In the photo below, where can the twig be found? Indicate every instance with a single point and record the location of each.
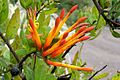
(24, 58)
(44, 5)
(101, 11)
(67, 51)
(97, 72)
(10, 48)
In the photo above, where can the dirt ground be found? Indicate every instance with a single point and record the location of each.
(104, 50)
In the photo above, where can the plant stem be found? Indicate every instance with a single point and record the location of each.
(10, 48)
(101, 11)
(97, 72)
(24, 58)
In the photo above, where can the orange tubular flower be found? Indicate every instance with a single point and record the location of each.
(64, 42)
(33, 29)
(68, 66)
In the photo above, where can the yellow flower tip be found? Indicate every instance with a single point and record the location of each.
(68, 66)
(57, 22)
(73, 8)
(85, 69)
(62, 13)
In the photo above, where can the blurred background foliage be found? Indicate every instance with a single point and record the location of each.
(40, 70)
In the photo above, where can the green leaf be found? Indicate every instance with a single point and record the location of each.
(115, 34)
(21, 52)
(41, 19)
(100, 76)
(16, 43)
(75, 59)
(42, 71)
(102, 3)
(6, 53)
(116, 77)
(43, 26)
(13, 25)
(28, 73)
(17, 77)
(95, 11)
(53, 10)
(26, 3)
(4, 62)
(7, 76)
(3, 15)
(1, 5)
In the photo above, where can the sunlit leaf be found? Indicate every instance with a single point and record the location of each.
(53, 10)
(17, 77)
(13, 25)
(101, 76)
(116, 77)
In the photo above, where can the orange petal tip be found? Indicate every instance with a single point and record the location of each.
(62, 13)
(57, 21)
(65, 35)
(84, 38)
(73, 8)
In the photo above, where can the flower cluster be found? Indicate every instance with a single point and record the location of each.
(64, 42)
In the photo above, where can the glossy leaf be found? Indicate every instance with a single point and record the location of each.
(13, 25)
